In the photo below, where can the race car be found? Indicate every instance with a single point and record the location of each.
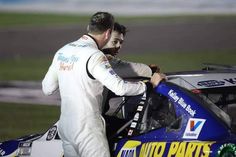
(177, 119)
(189, 121)
(46, 144)
(177, 122)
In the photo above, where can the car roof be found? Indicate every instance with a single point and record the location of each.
(204, 79)
(208, 68)
(218, 71)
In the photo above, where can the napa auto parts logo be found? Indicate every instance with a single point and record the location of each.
(193, 128)
(129, 149)
(160, 149)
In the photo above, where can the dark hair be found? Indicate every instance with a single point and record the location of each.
(120, 28)
(100, 22)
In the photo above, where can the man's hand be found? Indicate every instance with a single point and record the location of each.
(156, 79)
(154, 68)
(109, 57)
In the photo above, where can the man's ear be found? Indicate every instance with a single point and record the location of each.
(108, 34)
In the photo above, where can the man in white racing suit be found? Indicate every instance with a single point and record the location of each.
(80, 70)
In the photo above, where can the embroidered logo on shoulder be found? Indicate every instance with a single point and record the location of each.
(103, 59)
(104, 62)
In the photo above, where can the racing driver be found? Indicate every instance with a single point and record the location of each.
(125, 69)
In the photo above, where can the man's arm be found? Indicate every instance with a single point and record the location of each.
(101, 69)
(127, 69)
(50, 81)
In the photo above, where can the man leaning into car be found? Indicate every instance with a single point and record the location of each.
(80, 70)
(125, 69)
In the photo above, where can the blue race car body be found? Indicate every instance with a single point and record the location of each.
(190, 126)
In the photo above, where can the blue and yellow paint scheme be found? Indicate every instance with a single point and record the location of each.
(202, 129)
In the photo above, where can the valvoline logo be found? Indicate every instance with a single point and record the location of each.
(193, 128)
(194, 125)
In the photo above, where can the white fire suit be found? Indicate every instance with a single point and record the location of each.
(80, 70)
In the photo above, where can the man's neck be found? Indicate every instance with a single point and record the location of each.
(98, 39)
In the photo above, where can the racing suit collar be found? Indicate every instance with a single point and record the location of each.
(93, 40)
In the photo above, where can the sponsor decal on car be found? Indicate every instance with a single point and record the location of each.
(181, 102)
(159, 149)
(129, 149)
(24, 149)
(133, 125)
(217, 83)
(140, 108)
(51, 133)
(2, 152)
(8, 148)
(138, 116)
(211, 83)
(228, 149)
(231, 80)
(193, 128)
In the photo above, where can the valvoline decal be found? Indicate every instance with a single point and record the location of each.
(194, 127)
(160, 149)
